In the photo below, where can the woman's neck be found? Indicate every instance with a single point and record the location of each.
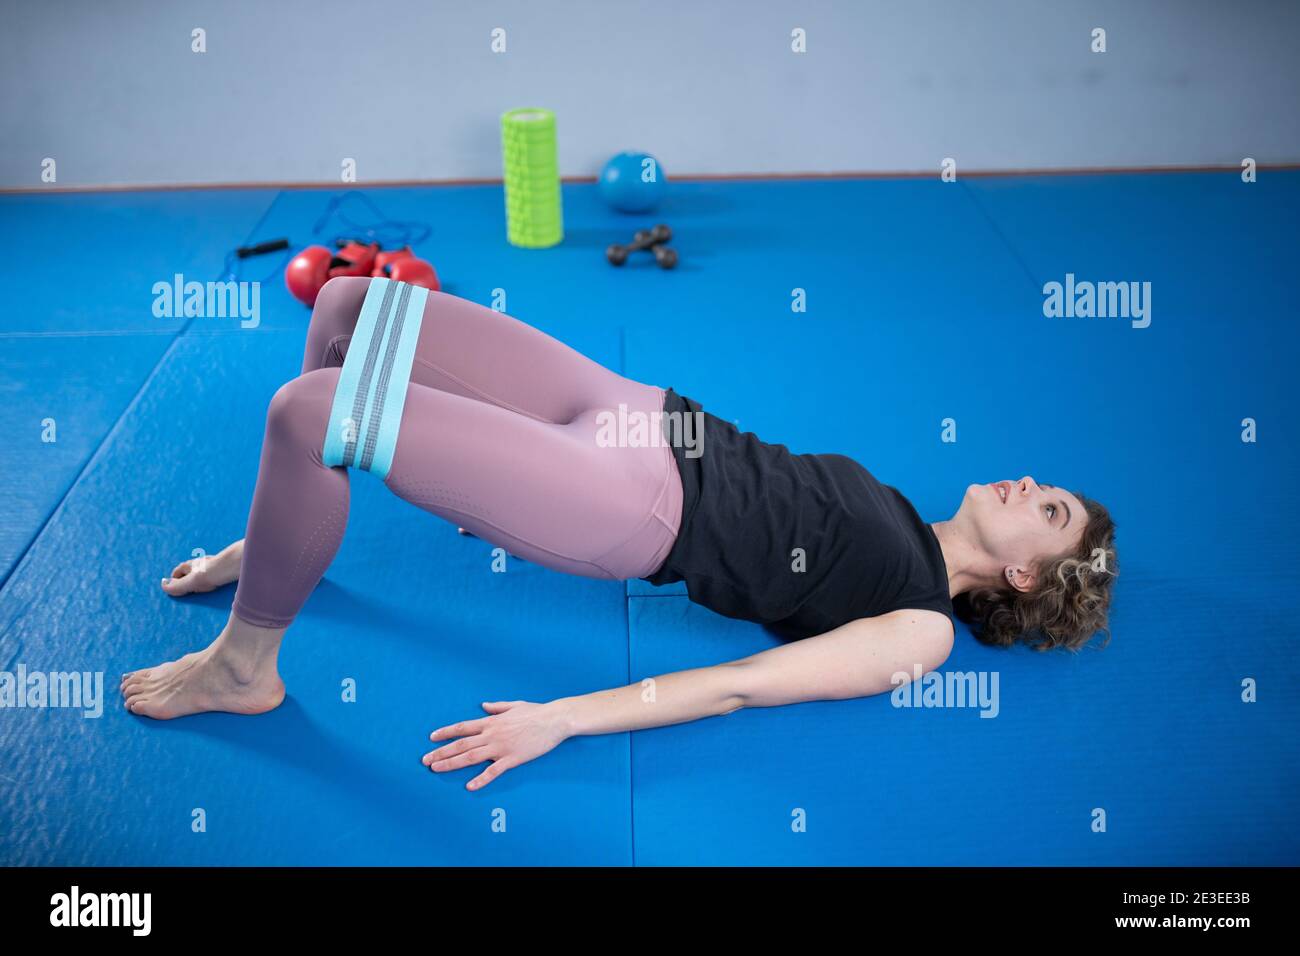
(967, 565)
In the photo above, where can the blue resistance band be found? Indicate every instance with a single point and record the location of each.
(371, 391)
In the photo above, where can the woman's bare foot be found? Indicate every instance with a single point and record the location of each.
(206, 573)
(236, 674)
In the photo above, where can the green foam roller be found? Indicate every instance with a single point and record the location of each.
(530, 158)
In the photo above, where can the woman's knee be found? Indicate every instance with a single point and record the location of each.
(300, 409)
(336, 311)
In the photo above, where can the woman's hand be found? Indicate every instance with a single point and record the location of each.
(515, 733)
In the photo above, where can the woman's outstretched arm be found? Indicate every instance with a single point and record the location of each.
(856, 660)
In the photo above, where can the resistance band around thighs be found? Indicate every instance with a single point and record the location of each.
(371, 391)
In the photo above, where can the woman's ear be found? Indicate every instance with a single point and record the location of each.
(1019, 579)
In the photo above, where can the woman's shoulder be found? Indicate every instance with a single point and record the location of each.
(925, 627)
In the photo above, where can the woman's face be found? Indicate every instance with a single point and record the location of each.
(1021, 522)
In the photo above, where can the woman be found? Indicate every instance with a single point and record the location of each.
(511, 434)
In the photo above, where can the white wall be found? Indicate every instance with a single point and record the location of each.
(288, 89)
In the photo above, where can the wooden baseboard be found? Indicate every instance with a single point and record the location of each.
(683, 177)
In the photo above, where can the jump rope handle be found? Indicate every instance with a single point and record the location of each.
(271, 245)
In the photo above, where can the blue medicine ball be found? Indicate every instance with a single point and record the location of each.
(633, 182)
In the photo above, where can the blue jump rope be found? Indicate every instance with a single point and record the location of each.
(388, 233)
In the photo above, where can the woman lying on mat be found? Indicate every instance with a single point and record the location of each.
(493, 425)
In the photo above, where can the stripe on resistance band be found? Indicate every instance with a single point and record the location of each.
(371, 390)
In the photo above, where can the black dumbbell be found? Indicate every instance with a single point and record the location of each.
(652, 239)
(667, 258)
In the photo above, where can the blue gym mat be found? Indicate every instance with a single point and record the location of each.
(924, 303)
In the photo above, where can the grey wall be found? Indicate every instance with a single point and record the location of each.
(411, 89)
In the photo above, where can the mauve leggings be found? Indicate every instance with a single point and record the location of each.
(498, 435)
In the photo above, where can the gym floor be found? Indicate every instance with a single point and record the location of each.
(924, 303)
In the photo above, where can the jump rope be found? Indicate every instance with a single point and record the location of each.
(382, 231)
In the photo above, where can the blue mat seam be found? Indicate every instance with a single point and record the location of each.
(117, 424)
(94, 457)
(997, 230)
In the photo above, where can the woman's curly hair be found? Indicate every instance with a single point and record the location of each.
(1068, 605)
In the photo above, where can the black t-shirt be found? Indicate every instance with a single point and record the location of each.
(799, 543)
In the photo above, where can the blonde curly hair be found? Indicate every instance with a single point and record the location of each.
(1068, 605)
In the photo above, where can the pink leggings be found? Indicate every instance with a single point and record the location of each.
(498, 435)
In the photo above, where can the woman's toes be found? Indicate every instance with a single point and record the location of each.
(201, 575)
(134, 682)
(142, 688)
(145, 698)
(178, 586)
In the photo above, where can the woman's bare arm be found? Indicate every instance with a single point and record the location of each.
(856, 660)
